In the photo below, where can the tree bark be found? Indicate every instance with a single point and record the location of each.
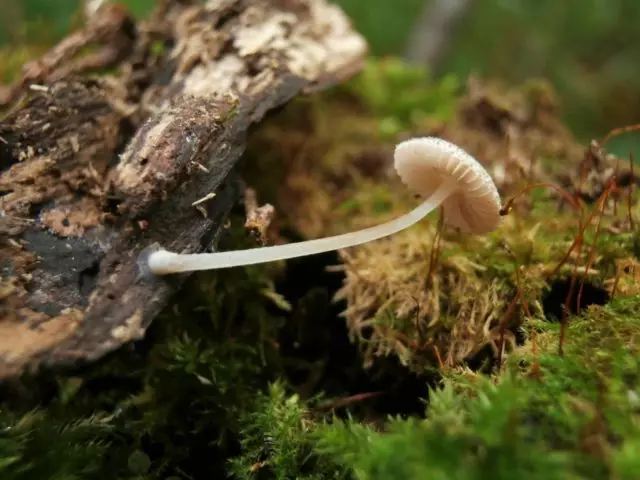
(93, 170)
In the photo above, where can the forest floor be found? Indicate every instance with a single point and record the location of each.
(429, 354)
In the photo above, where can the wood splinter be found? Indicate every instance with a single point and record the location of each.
(258, 219)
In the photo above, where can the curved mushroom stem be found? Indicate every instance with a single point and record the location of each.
(163, 262)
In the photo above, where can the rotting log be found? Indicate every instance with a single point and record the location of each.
(94, 169)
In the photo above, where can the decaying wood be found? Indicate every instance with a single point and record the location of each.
(258, 217)
(95, 170)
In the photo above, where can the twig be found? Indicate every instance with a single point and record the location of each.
(258, 218)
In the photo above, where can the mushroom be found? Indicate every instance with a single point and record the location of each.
(432, 167)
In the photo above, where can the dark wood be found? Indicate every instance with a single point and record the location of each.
(94, 170)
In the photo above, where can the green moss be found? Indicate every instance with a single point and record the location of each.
(401, 95)
(579, 420)
(277, 437)
(40, 445)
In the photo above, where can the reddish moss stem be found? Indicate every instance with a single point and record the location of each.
(630, 192)
(619, 131)
(508, 205)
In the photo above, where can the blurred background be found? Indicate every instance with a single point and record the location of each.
(588, 49)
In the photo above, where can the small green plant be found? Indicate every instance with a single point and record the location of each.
(276, 437)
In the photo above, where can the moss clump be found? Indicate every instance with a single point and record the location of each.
(277, 437)
(578, 419)
(413, 293)
(404, 306)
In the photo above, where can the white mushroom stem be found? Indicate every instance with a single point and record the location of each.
(163, 262)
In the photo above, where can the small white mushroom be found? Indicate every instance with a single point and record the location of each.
(424, 164)
(439, 170)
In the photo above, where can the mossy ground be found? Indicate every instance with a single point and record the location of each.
(253, 373)
(577, 419)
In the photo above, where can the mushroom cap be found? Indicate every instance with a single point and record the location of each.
(424, 163)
